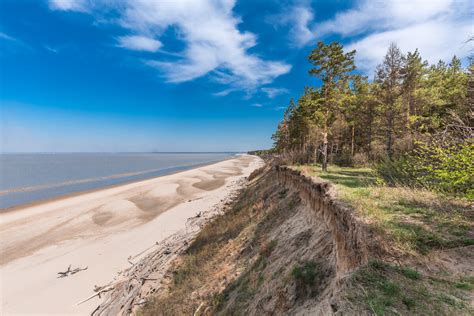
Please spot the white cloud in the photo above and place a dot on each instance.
(214, 44)
(257, 105)
(438, 28)
(435, 41)
(223, 93)
(139, 42)
(298, 18)
(51, 49)
(70, 5)
(273, 92)
(382, 15)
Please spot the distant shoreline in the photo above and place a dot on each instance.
(166, 172)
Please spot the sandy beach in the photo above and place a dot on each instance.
(102, 230)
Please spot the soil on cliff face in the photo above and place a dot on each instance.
(266, 255)
(274, 251)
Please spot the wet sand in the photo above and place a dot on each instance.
(99, 230)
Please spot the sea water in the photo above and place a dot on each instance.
(26, 178)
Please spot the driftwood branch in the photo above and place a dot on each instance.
(69, 272)
(150, 266)
(105, 289)
(196, 313)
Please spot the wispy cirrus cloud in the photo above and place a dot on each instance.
(214, 45)
(6, 37)
(14, 43)
(273, 92)
(298, 18)
(51, 49)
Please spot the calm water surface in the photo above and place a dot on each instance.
(26, 178)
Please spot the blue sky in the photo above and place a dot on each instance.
(188, 75)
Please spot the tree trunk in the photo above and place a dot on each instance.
(390, 134)
(352, 141)
(325, 151)
(390, 116)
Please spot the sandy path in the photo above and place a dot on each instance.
(99, 230)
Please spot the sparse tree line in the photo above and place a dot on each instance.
(414, 121)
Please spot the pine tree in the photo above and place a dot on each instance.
(333, 67)
(412, 73)
(389, 77)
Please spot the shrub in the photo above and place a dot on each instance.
(395, 172)
(447, 168)
(410, 273)
(442, 167)
(306, 273)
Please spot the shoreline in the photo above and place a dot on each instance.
(102, 230)
(80, 192)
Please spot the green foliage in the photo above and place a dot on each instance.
(413, 219)
(446, 168)
(306, 273)
(410, 273)
(464, 286)
(443, 167)
(333, 66)
(409, 302)
(390, 288)
(394, 122)
(394, 172)
(387, 289)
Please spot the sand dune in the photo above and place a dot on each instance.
(99, 230)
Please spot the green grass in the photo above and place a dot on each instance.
(305, 273)
(391, 289)
(463, 286)
(410, 273)
(416, 221)
(411, 222)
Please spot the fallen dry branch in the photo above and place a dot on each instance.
(142, 278)
(196, 313)
(69, 272)
(106, 289)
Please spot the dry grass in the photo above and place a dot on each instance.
(414, 224)
(416, 221)
(229, 264)
(217, 258)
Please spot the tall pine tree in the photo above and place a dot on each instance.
(333, 67)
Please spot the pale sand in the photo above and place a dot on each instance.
(100, 230)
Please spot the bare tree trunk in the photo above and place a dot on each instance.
(352, 141)
(390, 117)
(325, 151)
(316, 154)
(390, 134)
